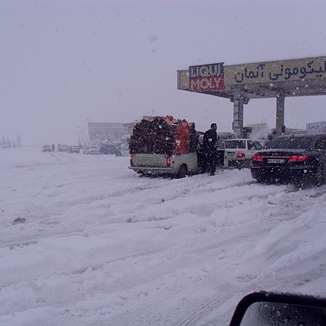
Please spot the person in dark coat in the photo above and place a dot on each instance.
(209, 147)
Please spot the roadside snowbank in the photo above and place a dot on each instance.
(102, 246)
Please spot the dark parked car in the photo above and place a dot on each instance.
(292, 158)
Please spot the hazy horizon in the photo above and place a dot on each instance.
(65, 63)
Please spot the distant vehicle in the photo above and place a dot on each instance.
(92, 150)
(124, 149)
(62, 147)
(73, 149)
(238, 152)
(110, 148)
(294, 158)
(46, 148)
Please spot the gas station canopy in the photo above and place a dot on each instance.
(272, 79)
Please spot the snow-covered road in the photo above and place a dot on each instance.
(102, 246)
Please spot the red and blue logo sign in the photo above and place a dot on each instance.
(206, 77)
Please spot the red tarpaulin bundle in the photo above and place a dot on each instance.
(163, 135)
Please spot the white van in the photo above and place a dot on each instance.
(238, 152)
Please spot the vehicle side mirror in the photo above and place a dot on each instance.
(277, 309)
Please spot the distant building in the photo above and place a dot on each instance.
(130, 127)
(259, 130)
(106, 131)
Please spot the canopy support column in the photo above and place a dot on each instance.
(238, 101)
(280, 100)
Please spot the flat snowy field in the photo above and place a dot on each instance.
(99, 245)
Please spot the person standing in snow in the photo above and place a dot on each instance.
(209, 147)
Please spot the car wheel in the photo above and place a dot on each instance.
(298, 182)
(261, 180)
(318, 177)
(182, 171)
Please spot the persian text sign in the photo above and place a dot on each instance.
(276, 71)
(206, 77)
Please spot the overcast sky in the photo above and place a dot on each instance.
(64, 63)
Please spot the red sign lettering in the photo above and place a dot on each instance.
(206, 84)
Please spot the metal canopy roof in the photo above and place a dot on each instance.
(290, 78)
(272, 79)
(272, 90)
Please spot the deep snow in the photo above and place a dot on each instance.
(103, 246)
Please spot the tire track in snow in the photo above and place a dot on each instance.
(251, 282)
(202, 311)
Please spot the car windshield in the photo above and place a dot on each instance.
(235, 144)
(291, 143)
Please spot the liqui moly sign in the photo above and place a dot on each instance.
(206, 77)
